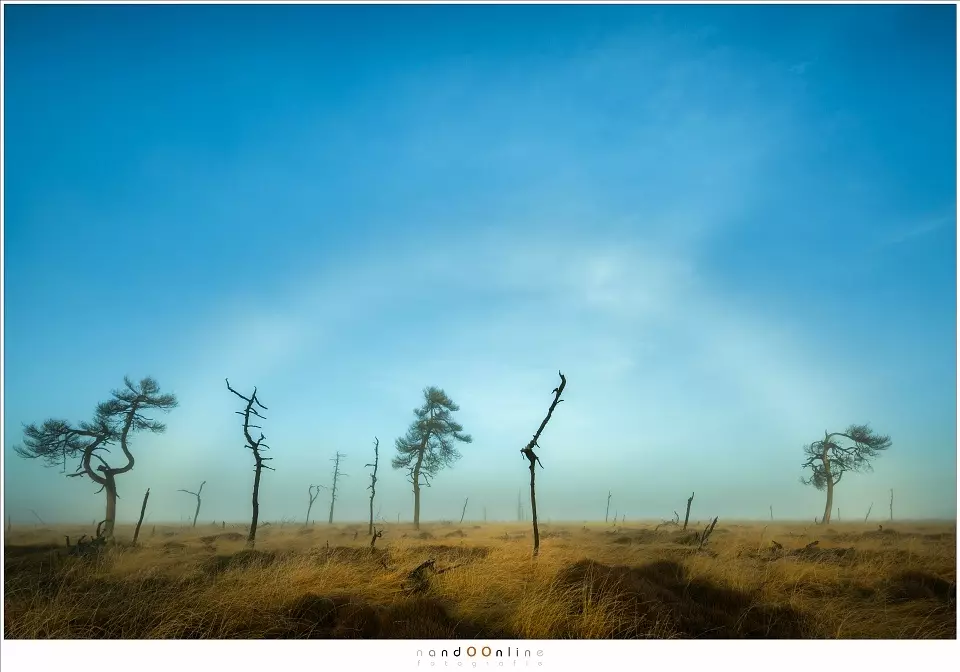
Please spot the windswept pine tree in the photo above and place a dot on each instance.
(430, 443)
(115, 421)
(839, 452)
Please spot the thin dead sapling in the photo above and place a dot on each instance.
(197, 495)
(143, 509)
(528, 453)
(256, 447)
(373, 480)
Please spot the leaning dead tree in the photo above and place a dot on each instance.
(255, 447)
(373, 480)
(705, 535)
(313, 497)
(606, 516)
(666, 523)
(464, 512)
(837, 453)
(115, 421)
(337, 474)
(686, 518)
(528, 453)
(868, 512)
(143, 509)
(197, 495)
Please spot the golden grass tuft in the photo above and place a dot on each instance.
(593, 581)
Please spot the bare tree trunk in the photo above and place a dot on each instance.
(312, 497)
(252, 536)
(828, 508)
(868, 512)
(891, 504)
(533, 508)
(828, 476)
(464, 512)
(606, 516)
(373, 480)
(686, 518)
(771, 512)
(110, 489)
(143, 509)
(336, 476)
(484, 514)
(531, 456)
(416, 505)
(197, 495)
(259, 459)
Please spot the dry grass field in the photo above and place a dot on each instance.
(590, 581)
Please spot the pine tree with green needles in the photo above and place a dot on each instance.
(430, 443)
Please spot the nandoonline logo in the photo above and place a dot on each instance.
(482, 656)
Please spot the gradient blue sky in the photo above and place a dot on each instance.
(731, 227)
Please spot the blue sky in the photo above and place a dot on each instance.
(730, 227)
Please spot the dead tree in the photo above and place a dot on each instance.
(373, 480)
(606, 516)
(484, 514)
(95, 545)
(197, 495)
(891, 505)
(373, 538)
(114, 422)
(528, 453)
(686, 518)
(143, 509)
(868, 512)
(313, 496)
(337, 474)
(255, 447)
(771, 512)
(707, 532)
(665, 523)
